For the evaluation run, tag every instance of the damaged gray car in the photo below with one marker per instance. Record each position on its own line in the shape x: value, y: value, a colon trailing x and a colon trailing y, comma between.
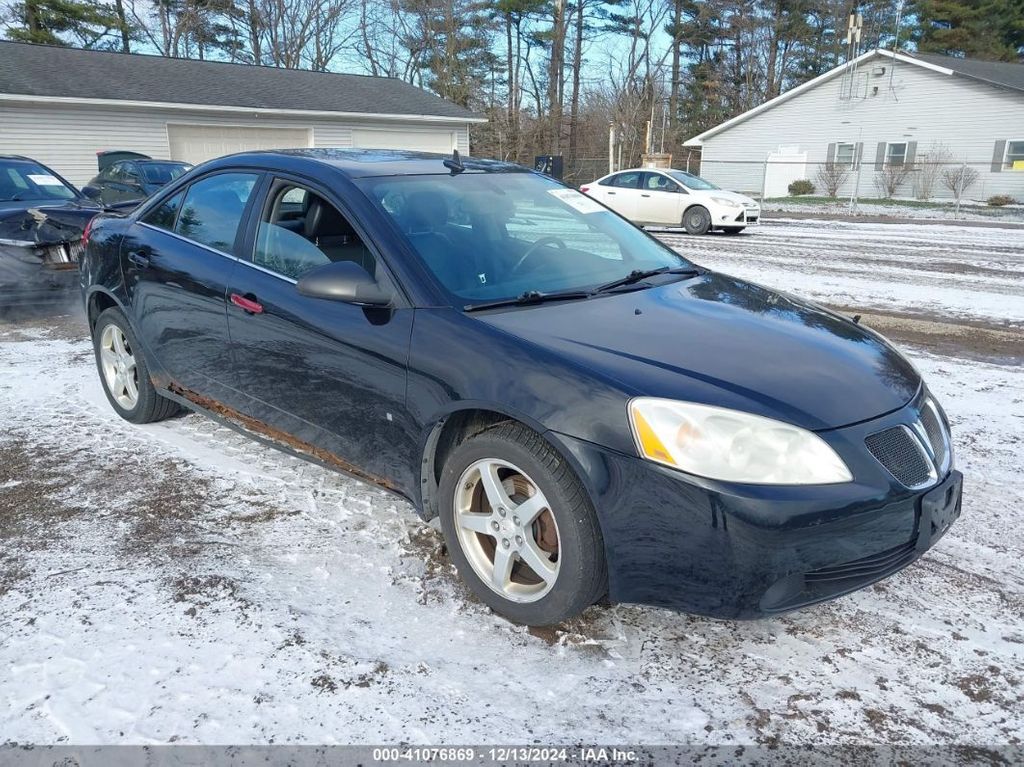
x: 42, y: 218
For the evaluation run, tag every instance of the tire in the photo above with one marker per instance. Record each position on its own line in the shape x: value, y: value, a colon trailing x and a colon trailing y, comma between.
x: 697, y: 220
x: 734, y: 229
x: 124, y: 372
x: 561, y: 527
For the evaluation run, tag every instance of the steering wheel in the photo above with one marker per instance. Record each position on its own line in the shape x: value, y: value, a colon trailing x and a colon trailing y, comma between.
x: 551, y: 240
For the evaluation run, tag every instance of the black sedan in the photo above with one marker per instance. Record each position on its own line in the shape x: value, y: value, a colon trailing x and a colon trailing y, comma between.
x: 133, y: 180
x: 42, y: 218
x: 587, y: 412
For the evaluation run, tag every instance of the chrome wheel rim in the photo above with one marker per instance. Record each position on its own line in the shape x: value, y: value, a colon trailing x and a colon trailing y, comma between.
x: 120, y: 373
x: 507, y: 531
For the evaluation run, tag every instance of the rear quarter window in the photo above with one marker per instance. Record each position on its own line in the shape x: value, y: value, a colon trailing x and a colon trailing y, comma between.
x: 164, y: 215
x: 213, y: 207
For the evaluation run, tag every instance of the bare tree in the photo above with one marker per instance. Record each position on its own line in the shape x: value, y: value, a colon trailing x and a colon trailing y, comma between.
x: 832, y: 176
x: 890, y: 178
x: 958, y: 180
x: 928, y: 170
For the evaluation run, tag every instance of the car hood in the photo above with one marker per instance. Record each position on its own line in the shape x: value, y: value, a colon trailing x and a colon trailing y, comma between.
x: 43, y: 223
x: 717, y: 340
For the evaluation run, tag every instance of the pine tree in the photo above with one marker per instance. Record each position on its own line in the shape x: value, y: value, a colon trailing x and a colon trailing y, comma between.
x: 80, y: 23
x: 977, y: 29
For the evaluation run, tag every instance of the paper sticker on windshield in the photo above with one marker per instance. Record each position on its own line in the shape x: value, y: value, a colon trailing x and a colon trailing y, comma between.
x: 579, y: 201
x: 44, y: 179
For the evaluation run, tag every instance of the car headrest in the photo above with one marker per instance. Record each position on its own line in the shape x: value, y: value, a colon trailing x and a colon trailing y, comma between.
x: 323, y: 219
x: 425, y: 211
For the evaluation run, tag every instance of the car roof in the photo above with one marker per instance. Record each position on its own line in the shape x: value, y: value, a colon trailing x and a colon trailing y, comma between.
x: 361, y: 163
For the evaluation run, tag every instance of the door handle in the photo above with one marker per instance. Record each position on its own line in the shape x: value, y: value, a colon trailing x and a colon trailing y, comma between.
x: 246, y: 304
x: 611, y: 193
x: 140, y: 258
x: 645, y: 195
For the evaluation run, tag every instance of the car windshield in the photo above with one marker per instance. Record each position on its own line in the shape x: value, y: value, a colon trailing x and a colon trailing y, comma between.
x: 162, y: 172
x: 497, y: 236
x: 691, y: 181
x: 27, y: 180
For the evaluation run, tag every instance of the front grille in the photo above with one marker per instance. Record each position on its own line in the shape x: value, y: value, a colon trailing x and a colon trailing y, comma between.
x: 901, y: 454
x: 936, y: 434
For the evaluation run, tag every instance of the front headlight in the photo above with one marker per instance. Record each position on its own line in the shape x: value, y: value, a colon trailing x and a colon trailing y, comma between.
x: 727, y: 202
x: 732, y: 446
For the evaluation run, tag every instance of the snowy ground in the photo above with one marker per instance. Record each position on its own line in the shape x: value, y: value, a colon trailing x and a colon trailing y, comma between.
x: 179, y: 583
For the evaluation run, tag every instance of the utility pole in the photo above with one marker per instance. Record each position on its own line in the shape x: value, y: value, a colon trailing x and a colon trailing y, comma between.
x: 611, y: 146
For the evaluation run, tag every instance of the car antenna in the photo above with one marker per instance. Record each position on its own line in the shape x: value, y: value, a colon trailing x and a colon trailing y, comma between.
x: 454, y: 163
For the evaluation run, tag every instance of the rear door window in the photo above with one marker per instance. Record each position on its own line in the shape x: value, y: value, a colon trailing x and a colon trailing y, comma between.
x: 212, y: 211
x: 630, y: 180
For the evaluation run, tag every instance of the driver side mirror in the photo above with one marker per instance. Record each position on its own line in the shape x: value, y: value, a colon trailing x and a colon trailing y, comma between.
x: 344, y: 281
x: 92, y: 192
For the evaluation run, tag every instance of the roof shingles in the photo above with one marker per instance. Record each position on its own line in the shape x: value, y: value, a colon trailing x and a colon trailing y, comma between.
x: 39, y: 70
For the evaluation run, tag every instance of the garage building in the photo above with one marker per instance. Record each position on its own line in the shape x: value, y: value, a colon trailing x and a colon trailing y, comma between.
x: 63, y: 105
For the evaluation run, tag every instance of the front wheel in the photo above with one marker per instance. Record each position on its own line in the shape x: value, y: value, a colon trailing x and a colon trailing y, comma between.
x: 696, y: 220
x: 520, y: 527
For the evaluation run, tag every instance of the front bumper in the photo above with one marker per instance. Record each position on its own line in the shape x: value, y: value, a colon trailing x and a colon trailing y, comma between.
x: 744, y: 551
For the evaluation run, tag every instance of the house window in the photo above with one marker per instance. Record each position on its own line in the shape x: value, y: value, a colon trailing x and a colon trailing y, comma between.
x: 1014, y: 154
x: 896, y: 154
x: 845, y: 154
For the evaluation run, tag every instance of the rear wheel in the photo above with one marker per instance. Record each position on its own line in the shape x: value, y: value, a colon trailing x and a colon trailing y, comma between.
x: 520, y: 527
x: 696, y: 220
x: 124, y: 373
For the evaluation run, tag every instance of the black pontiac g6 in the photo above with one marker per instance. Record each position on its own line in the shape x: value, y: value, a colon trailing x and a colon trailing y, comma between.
x: 587, y: 412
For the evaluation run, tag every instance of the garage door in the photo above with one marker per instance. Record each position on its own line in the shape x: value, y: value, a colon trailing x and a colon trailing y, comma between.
x: 197, y: 143
x: 442, y: 141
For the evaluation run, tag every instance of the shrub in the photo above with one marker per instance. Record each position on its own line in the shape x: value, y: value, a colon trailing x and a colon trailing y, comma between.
x: 999, y: 200
x: 801, y: 186
x: 832, y: 176
x: 890, y: 178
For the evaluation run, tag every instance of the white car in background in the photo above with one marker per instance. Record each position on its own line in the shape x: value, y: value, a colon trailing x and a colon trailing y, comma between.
x: 657, y: 197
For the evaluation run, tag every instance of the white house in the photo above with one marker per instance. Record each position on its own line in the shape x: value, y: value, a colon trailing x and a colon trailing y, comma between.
x: 882, y: 109
x: 61, y: 106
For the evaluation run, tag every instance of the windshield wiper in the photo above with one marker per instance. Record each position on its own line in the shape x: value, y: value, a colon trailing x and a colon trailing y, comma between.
x: 642, y: 274
x: 527, y: 298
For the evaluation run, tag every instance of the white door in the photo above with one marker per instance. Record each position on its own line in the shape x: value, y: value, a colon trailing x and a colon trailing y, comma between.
x: 441, y: 141
x: 198, y: 143
x: 660, y: 201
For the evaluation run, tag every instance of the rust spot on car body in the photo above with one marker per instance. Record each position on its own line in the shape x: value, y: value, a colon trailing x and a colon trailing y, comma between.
x: 276, y: 435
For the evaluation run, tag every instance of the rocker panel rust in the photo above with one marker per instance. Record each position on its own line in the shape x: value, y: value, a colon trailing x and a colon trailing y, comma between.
x: 274, y: 437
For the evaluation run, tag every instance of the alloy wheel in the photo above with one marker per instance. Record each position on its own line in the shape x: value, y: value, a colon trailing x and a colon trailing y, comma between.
x: 120, y: 372
x: 507, y: 530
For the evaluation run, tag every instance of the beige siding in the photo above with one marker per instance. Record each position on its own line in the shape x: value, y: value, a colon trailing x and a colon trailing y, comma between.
x: 923, y: 106
x: 67, y: 137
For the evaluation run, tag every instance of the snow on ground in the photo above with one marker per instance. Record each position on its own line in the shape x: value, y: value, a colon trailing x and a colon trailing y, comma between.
x: 944, y: 212
x: 180, y: 583
x: 959, y: 272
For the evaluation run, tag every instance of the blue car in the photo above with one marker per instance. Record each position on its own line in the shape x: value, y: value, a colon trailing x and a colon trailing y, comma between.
x: 589, y: 414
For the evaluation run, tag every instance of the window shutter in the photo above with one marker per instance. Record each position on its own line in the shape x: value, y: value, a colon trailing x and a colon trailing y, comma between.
x: 880, y: 156
x: 911, y: 154
x: 830, y: 156
x: 858, y: 154
x: 998, y: 154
